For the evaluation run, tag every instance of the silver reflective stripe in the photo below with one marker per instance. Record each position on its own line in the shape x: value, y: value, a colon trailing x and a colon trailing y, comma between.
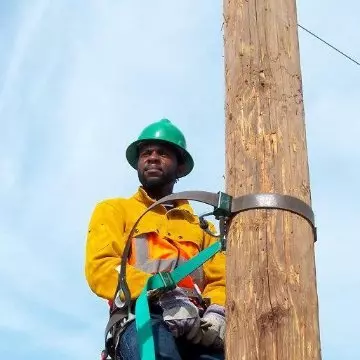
x: 154, y: 266
x: 141, y: 249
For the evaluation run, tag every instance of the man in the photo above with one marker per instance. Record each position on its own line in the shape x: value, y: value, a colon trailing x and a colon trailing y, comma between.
x: 166, y: 236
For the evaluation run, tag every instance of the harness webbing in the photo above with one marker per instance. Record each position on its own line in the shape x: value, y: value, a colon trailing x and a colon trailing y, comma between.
x: 164, y: 281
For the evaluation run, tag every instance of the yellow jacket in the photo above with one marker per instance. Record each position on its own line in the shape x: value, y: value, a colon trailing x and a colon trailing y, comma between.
x: 109, y: 228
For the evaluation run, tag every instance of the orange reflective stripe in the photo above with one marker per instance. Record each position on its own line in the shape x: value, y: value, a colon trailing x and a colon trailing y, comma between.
x: 187, y: 282
x: 188, y: 250
x: 160, y: 248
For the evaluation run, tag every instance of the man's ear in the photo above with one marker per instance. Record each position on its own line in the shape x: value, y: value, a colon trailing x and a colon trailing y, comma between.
x: 180, y: 170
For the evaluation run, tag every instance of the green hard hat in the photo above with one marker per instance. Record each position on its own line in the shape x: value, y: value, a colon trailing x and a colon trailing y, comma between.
x: 162, y: 131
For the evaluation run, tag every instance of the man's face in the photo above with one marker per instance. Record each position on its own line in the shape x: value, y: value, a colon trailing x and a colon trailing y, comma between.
x: 157, y: 165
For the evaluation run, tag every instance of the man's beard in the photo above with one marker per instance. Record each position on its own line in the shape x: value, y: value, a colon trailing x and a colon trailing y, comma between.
x: 154, y: 183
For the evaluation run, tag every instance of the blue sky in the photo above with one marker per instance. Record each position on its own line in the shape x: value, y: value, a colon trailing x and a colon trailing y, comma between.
x: 78, y: 81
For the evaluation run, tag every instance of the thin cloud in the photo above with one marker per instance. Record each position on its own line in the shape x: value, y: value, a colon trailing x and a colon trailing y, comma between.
x: 30, y: 19
x: 81, y: 82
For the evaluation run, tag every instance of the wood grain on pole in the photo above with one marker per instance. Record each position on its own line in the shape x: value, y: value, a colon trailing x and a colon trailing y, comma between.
x: 272, y: 305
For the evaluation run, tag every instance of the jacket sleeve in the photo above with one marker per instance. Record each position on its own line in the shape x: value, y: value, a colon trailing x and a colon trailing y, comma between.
x: 104, y: 247
x: 214, y: 273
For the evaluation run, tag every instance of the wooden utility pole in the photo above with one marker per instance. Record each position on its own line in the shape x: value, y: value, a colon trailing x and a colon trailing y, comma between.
x: 272, y: 305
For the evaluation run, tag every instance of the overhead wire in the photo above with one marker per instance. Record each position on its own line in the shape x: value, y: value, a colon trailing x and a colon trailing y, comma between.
x: 331, y: 46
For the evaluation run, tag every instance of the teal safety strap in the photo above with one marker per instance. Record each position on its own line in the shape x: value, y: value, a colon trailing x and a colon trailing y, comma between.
x: 164, y: 281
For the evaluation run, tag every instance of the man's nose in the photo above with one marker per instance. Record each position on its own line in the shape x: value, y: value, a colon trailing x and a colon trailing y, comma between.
x: 154, y: 156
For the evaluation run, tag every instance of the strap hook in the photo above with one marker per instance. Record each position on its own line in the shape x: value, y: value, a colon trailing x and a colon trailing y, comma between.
x: 222, y: 212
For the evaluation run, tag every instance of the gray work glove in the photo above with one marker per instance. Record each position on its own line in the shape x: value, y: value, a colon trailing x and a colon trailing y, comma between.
x: 213, y: 327
x: 180, y: 314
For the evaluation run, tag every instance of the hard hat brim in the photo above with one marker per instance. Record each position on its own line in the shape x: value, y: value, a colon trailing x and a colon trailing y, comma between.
x: 132, y: 155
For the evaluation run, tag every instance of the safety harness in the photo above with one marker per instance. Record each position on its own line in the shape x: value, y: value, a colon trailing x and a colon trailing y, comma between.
x: 225, y: 207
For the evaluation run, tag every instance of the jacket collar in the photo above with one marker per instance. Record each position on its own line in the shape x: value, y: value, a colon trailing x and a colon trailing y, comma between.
x: 144, y: 198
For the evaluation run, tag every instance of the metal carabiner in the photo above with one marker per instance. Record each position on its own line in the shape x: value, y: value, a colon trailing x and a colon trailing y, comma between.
x: 205, y: 225
x: 222, y: 226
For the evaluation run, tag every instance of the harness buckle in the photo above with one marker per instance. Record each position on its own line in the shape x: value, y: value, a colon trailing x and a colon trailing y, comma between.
x: 168, y: 281
x: 130, y: 317
x: 222, y: 212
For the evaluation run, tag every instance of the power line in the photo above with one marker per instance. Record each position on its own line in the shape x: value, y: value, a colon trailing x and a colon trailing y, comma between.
x: 333, y: 47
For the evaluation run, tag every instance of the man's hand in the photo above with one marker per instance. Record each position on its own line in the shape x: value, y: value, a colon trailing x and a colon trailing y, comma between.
x: 180, y: 314
x: 213, y: 327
